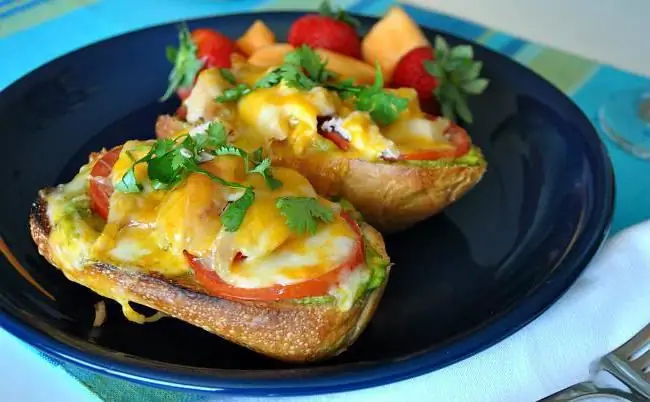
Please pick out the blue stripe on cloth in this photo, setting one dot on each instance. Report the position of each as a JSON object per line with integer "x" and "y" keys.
{"x": 465, "y": 29}
{"x": 512, "y": 47}
{"x": 371, "y": 7}
{"x": 6, "y": 2}
{"x": 497, "y": 40}
{"x": 22, "y": 7}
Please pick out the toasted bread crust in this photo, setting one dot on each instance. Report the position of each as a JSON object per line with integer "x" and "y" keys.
{"x": 282, "y": 330}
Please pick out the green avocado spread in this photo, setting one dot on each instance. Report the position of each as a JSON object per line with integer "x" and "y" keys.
{"x": 472, "y": 158}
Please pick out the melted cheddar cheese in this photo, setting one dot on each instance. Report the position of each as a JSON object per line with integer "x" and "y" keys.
{"x": 283, "y": 114}
{"x": 150, "y": 230}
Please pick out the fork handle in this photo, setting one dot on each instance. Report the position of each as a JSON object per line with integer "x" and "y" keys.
{"x": 588, "y": 388}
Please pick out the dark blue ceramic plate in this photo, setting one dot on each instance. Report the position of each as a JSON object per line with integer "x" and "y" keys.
{"x": 463, "y": 280}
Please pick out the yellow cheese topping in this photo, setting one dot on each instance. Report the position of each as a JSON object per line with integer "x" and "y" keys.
{"x": 284, "y": 114}
{"x": 149, "y": 230}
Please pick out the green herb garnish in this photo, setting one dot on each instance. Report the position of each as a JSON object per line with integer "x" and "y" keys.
{"x": 169, "y": 162}
{"x": 186, "y": 64}
{"x": 303, "y": 213}
{"x": 228, "y": 76}
{"x": 304, "y": 69}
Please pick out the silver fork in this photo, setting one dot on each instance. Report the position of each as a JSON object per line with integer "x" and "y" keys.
{"x": 630, "y": 364}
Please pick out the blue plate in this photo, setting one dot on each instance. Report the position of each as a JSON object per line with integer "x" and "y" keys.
{"x": 463, "y": 280}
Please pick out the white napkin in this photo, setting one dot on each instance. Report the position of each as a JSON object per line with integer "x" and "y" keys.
{"x": 608, "y": 304}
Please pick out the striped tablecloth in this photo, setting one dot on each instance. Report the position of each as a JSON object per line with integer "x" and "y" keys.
{"x": 33, "y": 32}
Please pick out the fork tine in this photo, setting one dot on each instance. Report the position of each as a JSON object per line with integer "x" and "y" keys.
{"x": 641, "y": 362}
{"x": 634, "y": 344}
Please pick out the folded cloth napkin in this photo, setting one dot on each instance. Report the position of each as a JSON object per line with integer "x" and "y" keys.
{"x": 607, "y": 305}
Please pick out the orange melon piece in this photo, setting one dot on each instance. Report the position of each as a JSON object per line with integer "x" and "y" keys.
{"x": 270, "y": 56}
{"x": 348, "y": 67}
{"x": 257, "y": 36}
{"x": 390, "y": 39}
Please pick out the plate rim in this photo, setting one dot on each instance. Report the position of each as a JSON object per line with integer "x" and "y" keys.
{"x": 346, "y": 376}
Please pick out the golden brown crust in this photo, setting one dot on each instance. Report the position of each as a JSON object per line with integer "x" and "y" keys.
{"x": 282, "y": 330}
{"x": 390, "y": 196}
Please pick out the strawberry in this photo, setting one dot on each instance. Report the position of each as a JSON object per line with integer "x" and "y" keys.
{"x": 444, "y": 75}
{"x": 331, "y": 30}
{"x": 200, "y": 49}
{"x": 213, "y": 47}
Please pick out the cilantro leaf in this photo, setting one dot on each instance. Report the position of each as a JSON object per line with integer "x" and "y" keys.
{"x": 233, "y": 94}
{"x": 271, "y": 79}
{"x": 186, "y": 64}
{"x": 302, "y": 69}
{"x": 228, "y": 76}
{"x": 129, "y": 183}
{"x": 168, "y": 170}
{"x": 310, "y": 61}
{"x": 384, "y": 107}
{"x": 263, "y": 168}
{"x": 233, "y": 216}
{"x": 217, "y": 134}
{"x": 228, "y": 149}
{"x": 303, "y": 213}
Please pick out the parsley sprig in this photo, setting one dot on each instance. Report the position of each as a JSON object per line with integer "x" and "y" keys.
{"x": 303, "y": 213}
{"x": 171, "y": 161}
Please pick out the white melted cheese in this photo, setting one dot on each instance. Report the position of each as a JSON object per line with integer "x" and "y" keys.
{"x": 292, "y": 262}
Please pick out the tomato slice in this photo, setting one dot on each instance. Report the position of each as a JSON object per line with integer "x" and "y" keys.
{"x": 100, "y": 186}
{"x": 319, "y": 286}
{"x": 213, "y": 47}
{"x": 457, "y": 137}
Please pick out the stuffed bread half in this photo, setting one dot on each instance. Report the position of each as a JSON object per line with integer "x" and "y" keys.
{"x": 203, "y": 232}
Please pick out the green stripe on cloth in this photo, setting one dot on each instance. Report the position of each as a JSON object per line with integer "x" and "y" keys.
{"x": 21, "y": 15}
{"x": 564, "y": 70}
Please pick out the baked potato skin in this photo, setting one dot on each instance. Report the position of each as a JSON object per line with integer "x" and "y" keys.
{"x": 390, "y": 196}
{"x": 282, "y": 330}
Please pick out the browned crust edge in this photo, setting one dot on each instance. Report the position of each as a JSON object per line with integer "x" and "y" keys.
{"x": 282, "y": 330}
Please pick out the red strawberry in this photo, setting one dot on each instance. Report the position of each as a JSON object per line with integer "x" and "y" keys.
{"x": 213, "y": 47}
{"x": 332, "y": 30}
{"x": 444, "y": 75}
{"x": 410, "y": 72}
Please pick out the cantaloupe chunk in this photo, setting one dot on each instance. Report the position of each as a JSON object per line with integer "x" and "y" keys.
{"x": 390, "y": 39}
{"x": 348, "y": 67}
{"x": 270, "y": 56}
{"x": 257, "y": 36}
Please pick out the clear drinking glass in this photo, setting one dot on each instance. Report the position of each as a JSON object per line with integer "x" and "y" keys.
{"x": 625, "y": 118}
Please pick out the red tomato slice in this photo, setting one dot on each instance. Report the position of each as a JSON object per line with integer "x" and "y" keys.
{"x": 213, "y": 47}
{"x": 100, "y": 186}
{"x": 339, "y": 141}
{"x": 320, "y": 286}
{"x": 457, "y": 137}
